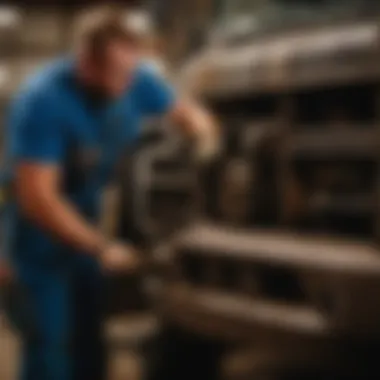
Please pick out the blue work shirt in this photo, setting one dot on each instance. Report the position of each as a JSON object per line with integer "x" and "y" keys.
{"x": 51, "y": 121}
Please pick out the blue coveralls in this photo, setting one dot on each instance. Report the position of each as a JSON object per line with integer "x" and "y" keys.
{"x": 51, "y": 121}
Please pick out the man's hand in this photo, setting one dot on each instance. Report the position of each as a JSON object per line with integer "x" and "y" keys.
{"x": 207, "y": 147}
{"x": 119, "y": 257}
{"x": 5, "y": 273}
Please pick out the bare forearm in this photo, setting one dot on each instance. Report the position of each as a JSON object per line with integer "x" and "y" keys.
{"x": 198, "y": 124}
{"x": 59, "y": 217}
{"x": 195, "y": 121}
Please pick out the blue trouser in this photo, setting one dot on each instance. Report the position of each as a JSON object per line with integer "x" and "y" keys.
{"x": 67, "y": 303}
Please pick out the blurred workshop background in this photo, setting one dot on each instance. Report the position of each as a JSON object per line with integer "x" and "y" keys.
{"x": 273, "y": 248}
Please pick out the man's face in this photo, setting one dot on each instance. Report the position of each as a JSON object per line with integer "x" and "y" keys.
{"x": 111, "y": 75}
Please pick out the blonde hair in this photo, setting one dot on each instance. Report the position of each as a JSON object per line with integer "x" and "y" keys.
{"x": 95, "y": 28}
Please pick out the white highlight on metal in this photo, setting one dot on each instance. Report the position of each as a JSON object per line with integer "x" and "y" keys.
{"x": 282, "y": 48}
{"x": 364, "y": 36}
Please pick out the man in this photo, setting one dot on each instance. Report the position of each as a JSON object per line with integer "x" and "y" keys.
{"x": 67, "y": 128}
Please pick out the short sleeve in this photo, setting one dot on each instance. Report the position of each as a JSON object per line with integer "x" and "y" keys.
{"x": 156, "y": 96}
{"x": 34, "y": 132}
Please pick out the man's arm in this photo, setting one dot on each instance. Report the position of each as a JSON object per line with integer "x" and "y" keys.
{"x": 197, "y": 123}
{"x": 38, "y": 148}
{"x": 194, "y": 120}
{"x": 38, "y": 194}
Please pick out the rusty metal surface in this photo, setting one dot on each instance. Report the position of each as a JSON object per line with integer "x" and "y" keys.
{"x": 332, "y": 284}
{"x": 322, "y": 143}
{"x": 316, "y": 56}
{"x": 284, "y": 248}
{"x": 233, "y": 317}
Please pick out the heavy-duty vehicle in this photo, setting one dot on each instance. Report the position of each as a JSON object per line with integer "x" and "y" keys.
{"x": 283, "y": 238}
